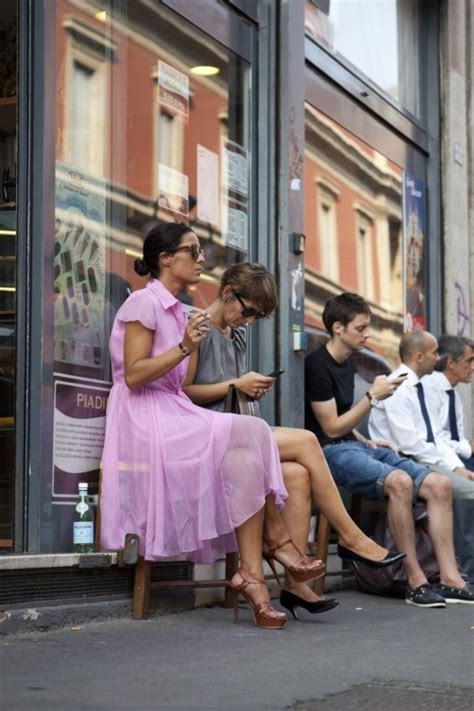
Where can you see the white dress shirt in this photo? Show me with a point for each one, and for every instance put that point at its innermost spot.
(436, 388)
(398, 420)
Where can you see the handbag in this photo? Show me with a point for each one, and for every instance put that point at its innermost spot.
(241, 404)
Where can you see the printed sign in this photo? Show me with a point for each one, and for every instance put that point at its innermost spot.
(173, 193)
(207, 185)
(78, 439)
(173, 89)
(414, 237)
(234, 195)
(79, 270)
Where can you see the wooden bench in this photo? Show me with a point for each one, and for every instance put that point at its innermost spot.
(143, 584)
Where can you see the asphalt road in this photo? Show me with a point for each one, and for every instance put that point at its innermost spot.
(201, 660)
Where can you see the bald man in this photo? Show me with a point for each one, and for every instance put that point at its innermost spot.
(407, 422)
(404, 420)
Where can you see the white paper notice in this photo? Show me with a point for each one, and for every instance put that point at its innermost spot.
(173, 89)
(173, 193)
(234, 195)
(235, 223)
(234, 167)
(207, 185)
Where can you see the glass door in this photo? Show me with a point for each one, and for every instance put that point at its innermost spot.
(8, 129)
(361, 222)
(153, 124)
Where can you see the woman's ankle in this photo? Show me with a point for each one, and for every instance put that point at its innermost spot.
(302, 590)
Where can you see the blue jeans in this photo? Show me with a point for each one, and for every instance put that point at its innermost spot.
(363, 470)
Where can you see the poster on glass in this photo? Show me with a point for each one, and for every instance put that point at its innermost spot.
(414, 241)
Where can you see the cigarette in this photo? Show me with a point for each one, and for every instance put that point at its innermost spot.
(193, 311)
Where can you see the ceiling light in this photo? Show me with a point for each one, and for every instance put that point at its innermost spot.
(102, 16)
(204, 70)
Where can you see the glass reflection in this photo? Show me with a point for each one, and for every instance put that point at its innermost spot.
(153, 125)
(353, 225)
(379, 37)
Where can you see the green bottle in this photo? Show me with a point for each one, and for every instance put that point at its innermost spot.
(83, 532)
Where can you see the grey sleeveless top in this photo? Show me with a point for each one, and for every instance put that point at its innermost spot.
(221, 358)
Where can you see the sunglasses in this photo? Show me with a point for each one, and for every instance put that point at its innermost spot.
(193, 250)
(248, 311)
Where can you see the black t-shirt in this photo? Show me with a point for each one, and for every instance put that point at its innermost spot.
(326, 379)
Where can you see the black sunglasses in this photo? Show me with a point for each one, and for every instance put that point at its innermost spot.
(248, 311)
(193, 250)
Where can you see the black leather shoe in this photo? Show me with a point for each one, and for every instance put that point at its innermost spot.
(292, 601)
(389, 559)
(450, 594)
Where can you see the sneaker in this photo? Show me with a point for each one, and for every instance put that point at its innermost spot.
(424, 596)
(465, 594)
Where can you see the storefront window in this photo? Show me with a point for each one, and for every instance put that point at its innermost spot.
(381, 38)
(152, 124)
(353, 226)
(8, 162)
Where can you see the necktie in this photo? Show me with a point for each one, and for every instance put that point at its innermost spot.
(453, 425)
(424, 412)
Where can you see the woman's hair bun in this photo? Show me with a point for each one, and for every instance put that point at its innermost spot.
(141, 267)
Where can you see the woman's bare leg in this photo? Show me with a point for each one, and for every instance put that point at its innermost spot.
(249, 540)
(301, 446)
(275, 534)
(296, 516)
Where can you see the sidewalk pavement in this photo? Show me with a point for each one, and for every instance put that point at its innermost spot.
(201, 660)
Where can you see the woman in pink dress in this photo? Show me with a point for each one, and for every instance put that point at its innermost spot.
(186, 479)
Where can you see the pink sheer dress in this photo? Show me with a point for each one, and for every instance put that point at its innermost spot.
(180, 476)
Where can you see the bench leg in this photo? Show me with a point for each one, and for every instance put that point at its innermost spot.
(231, 565)
(141, 589)
(322, 544)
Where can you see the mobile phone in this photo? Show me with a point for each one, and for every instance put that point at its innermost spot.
(275, 374)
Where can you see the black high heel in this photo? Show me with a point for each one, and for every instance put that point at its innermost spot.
(390, 558)
(292, 601)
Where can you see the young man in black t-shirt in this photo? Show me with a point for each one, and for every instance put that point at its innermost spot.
(371, 468)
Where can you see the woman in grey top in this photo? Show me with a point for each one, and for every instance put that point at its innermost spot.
(247, 293)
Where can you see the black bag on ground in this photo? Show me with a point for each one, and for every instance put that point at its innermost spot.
(393, 579)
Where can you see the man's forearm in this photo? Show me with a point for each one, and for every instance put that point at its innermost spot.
(344, 424)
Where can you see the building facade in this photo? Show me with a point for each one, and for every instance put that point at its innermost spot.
(329, 139)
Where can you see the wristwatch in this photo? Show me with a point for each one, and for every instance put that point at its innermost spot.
(373, 400)
(183, 349)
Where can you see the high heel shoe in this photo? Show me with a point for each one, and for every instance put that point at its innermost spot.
(391, 557)
(264, 614)
(292, 601)
(304, 569)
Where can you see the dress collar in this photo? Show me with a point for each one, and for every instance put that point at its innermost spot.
(165, 297)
